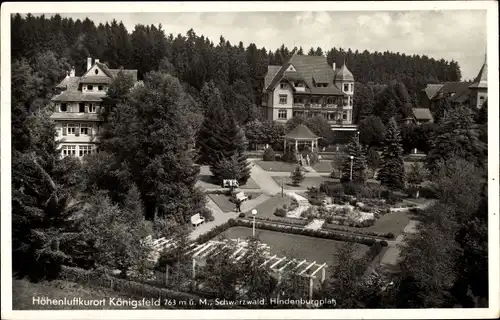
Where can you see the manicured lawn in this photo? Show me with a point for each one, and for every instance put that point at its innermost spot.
(266, 208)
(23, 292)
(276, 166)
(296, 246)
(206, 182)
(308, 182)
(394, 222)
(324, 166)
(222, 201)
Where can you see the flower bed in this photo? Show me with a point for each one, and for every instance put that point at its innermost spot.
(388, 235)
(290, 221)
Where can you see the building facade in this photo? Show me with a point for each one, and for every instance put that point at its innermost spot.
(457, 93)
(77, 104)
(307, 86)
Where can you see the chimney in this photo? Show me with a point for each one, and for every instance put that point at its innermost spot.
(72, 72)
(96, 60)
(89, 63)
(334, 66)
(67, 74)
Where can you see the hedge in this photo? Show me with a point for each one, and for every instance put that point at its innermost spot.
(325, 234)
(129, 287)
(216, 231)
(388, 235)
(292, 221)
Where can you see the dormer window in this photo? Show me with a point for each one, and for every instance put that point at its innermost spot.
(93, 108)
(346, 87)
(63, 107)
(100, 88)
(282, 85)
(96, 71)
(90, 87)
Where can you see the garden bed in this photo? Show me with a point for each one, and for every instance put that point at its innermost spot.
(266, 209)
(307, 183)
(280, 220)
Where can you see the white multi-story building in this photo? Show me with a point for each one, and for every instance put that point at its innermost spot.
(77, 106)
(307, 86)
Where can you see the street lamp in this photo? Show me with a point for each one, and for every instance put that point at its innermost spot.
(352, 158)
(357, 135)
(254, 213)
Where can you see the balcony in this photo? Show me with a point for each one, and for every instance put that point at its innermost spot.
(315, 105)
(330, 105)
(299, 105)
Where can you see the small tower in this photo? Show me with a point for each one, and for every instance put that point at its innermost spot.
(479, 87)
(344, 80)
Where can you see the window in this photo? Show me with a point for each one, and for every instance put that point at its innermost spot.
(84, 150)
(346, 87)
(71, 128)
(352, 87)
(282, 85)
(329, 100)
(90, 87)
(330, 116)
(100, 88)
(298, 113)
(93, 107)
(69, 150)
(346, 101)
(85, 129)
(63, 107)
(344, 116)
(283, 98)
(282, 113)
(96, 71)
(350, 102)
(81, 107)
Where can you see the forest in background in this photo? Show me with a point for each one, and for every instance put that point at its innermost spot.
(237, 69)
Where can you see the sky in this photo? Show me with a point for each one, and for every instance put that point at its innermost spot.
(450, 34)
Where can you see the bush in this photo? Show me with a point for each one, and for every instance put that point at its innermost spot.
(350, 188)
(294, 205)
(216, 231)
(329, 219)
(383, 243)
(207, 214)
(269, 154)
(250, 196)
(279, 212)
(390, 235)
(242, 215)
(290, 221)
(316, 202)
(430, 192)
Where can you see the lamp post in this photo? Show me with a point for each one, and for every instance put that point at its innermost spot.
(352, 158)
(254, 213)
(357, 135)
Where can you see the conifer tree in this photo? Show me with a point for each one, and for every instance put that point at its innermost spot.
(355, 150)
(297, 176)
(228, 147)
(392, 170)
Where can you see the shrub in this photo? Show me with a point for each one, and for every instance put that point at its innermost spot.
(269, 154)
(316, 202)
(390, 235)
(329, 219)
(349, 188)
(430, 192)
(332, 189)
(250, 196)
(383, 243)
(279, 212)
(241, 215)
(207, 214)
(290, 221)
(294, 205)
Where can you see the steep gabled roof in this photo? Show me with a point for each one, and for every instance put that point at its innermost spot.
(96, 79)
(301, 132)
(69, 83)
(422, 114)
(310, 68)
(343, 74)
(481, 80)
(431, 90)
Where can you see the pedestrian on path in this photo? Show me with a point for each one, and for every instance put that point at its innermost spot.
(238, 206)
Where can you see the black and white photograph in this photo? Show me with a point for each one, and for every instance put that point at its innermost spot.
(249, 160)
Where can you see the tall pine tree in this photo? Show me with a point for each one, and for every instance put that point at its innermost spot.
(358, 154)
(392, 169)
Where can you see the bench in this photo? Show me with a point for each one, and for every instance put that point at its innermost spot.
(240, 196)
(196, 220)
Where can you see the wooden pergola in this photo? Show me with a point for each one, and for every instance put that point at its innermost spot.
(300, 135)
(307, 270)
